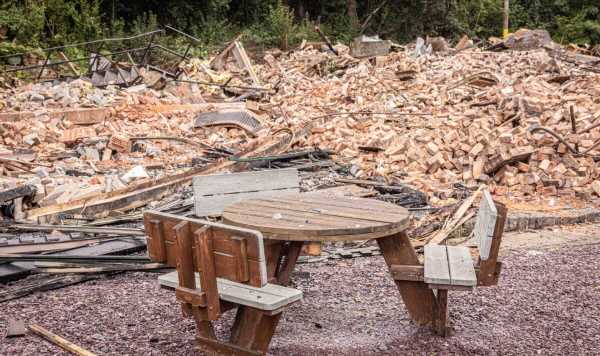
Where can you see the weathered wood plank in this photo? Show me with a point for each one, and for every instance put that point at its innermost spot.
(212, 193)
(436, 265)
(485, 224)
(462, 271)
(59, 341)
(270, 297)
(244, 62)
(225, 248)
(254, 181)
(490, 268)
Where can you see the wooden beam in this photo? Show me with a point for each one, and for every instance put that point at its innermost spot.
(49, 284)
(50, 246)
(285, 271)
(407, 272)
(244, 62)
(84, 229)
(69, 63)
(441, 312)
(18, 192)
(121, 268)
(59, 341)
(74, 258)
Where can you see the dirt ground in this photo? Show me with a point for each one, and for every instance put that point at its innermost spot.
(547, 302)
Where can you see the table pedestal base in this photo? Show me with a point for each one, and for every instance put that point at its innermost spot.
(424, 307)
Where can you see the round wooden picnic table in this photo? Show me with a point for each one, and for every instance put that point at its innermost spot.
(287, 221)
(313, 217)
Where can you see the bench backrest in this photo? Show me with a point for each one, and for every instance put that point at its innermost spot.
(212, 193)
(485, 224)
(238, 253)
(211, 249)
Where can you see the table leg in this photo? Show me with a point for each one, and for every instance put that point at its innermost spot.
(273, 249)
(290, 259)
(419, 299)
(441, 312)
(253, 329)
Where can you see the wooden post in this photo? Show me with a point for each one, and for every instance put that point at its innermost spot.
(506, 11)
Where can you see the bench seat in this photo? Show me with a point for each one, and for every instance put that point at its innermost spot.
(269, 298)
(449, 265)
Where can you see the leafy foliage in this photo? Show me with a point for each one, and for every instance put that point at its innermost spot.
(43, 23)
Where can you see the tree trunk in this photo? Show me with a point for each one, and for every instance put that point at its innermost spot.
(351, 13)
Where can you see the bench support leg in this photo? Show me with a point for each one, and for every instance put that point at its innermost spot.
(205, 329)
(441, 312)
(419, 299)
(290, 259)
(253, 329)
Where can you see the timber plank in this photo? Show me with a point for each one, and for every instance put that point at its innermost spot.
(242, 182)
(462, 271)
(485, 224)
(270, 297)
(212, 193)
(436, 265)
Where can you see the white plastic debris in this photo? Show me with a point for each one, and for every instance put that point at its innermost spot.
(137, 172)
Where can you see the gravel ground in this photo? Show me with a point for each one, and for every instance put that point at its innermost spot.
(548, 303)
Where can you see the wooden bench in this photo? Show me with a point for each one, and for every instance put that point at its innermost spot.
(212, 193)
(452, 268)
(219, 267)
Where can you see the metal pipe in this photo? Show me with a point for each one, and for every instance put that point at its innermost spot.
(183, 34)
(88, 43)
(73, 60)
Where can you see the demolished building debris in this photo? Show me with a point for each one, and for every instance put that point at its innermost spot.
(524, 123)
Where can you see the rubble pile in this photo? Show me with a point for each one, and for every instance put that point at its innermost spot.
(525, 123)
(441, 120)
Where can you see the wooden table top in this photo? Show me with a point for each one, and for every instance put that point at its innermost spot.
(311, 217)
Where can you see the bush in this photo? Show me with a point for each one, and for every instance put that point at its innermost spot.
(583, 28)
